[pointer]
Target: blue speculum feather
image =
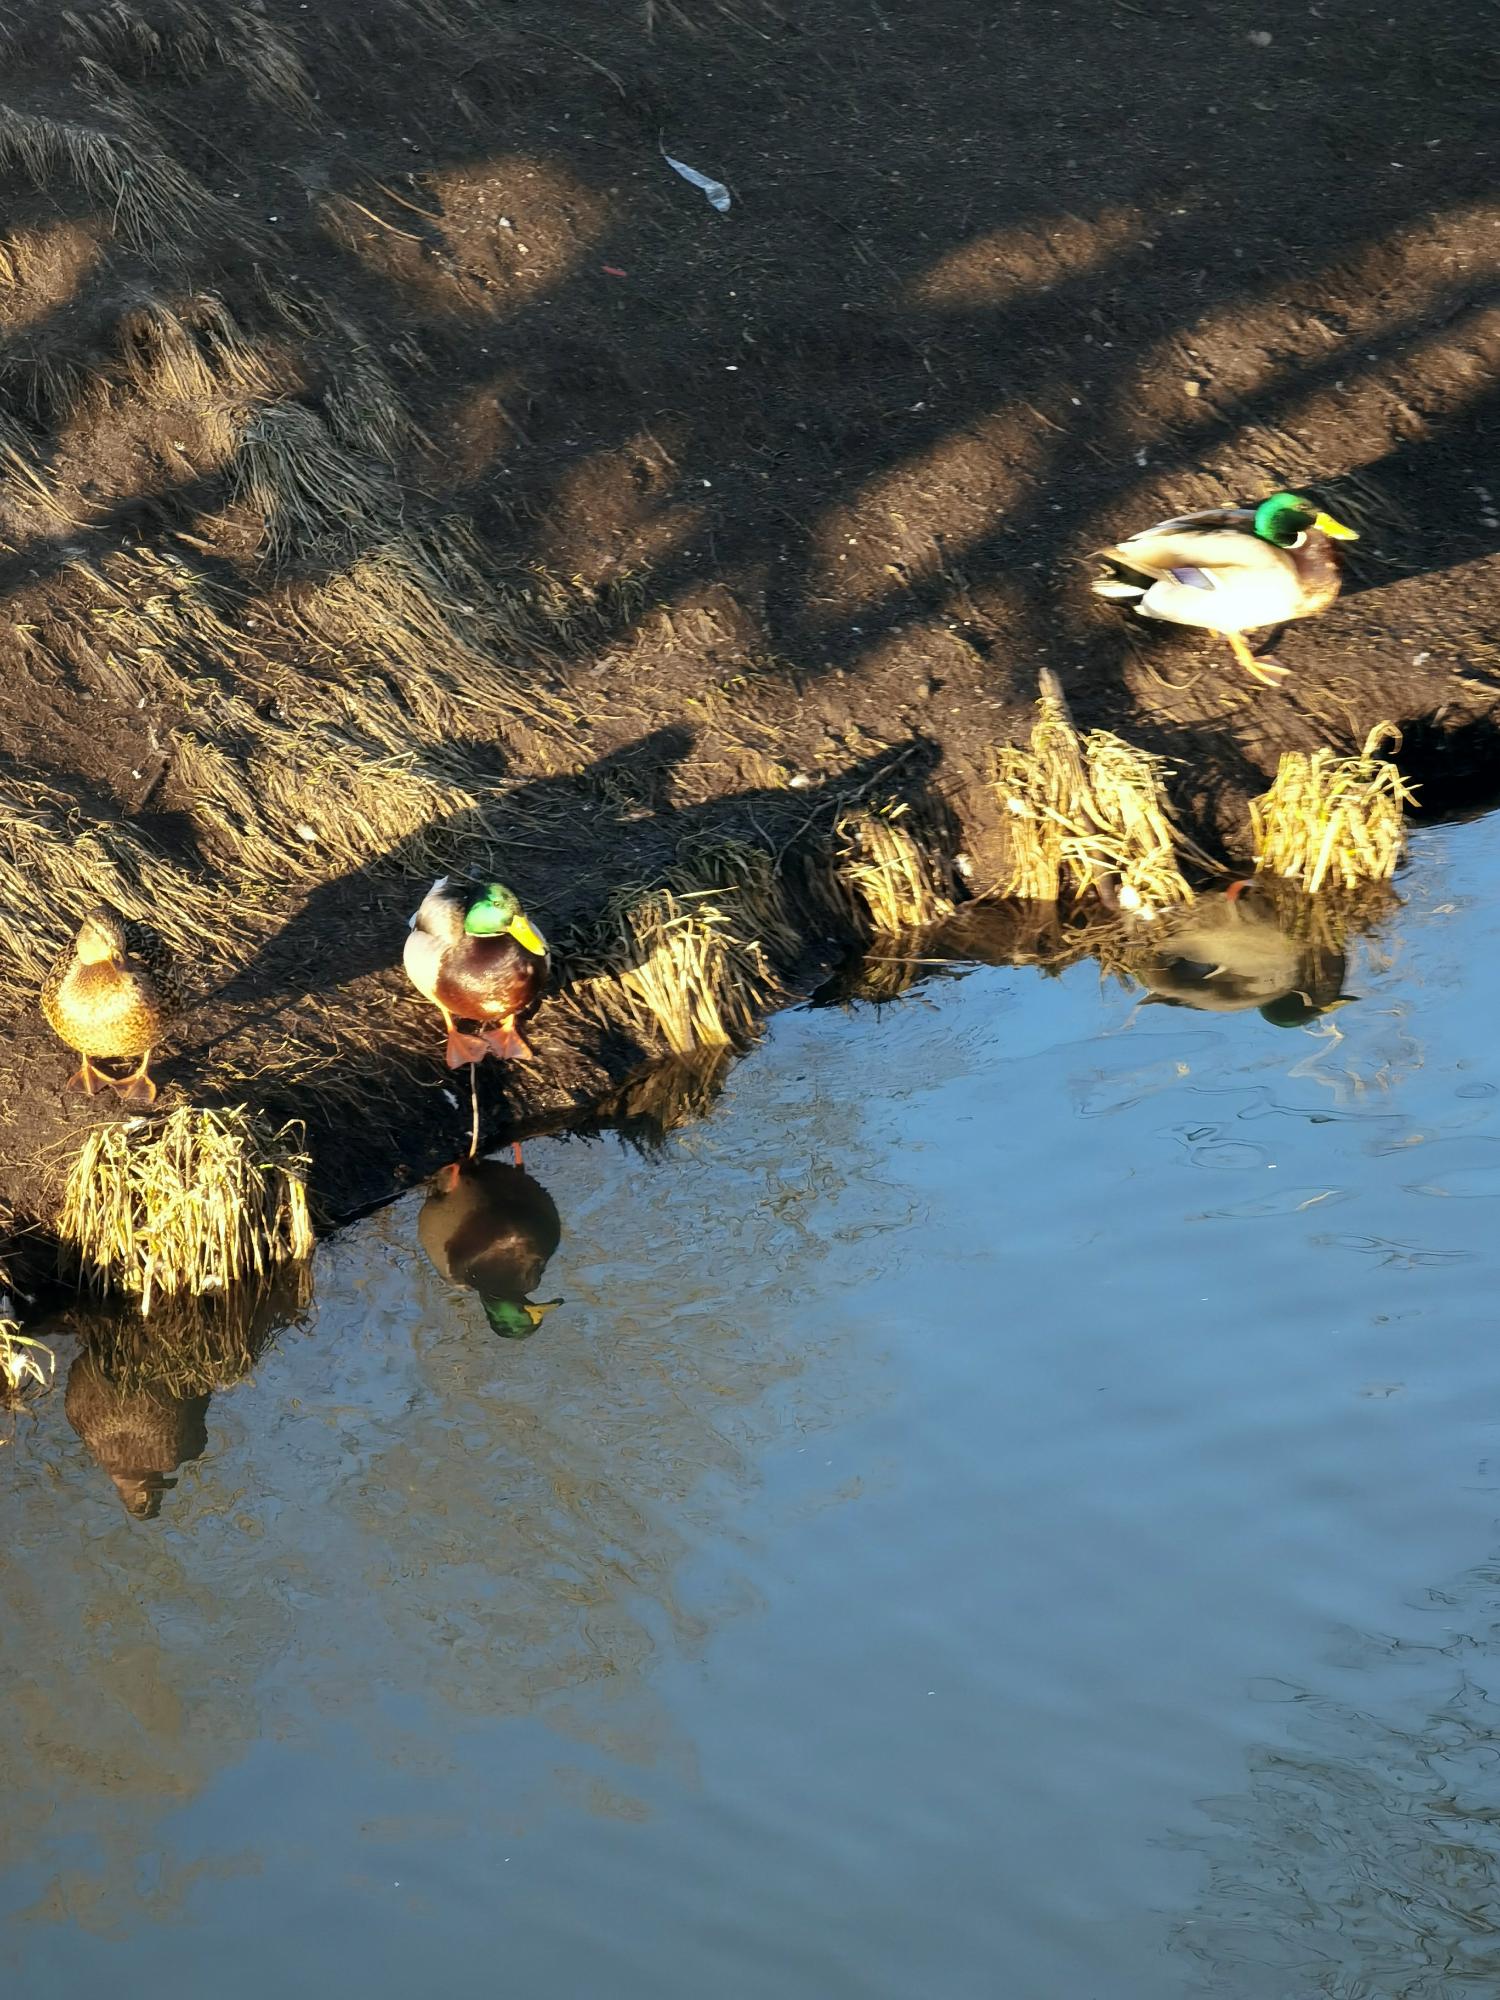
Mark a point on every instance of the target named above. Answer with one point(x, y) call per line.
point(1198, 579)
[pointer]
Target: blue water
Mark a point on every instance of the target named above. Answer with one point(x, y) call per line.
point(1008, 1508)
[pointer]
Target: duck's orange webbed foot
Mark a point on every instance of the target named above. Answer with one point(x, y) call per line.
point(1267, 672)
point(137, 1088)
point(87, 1079)
point(504, 1039)
point(462, 1049)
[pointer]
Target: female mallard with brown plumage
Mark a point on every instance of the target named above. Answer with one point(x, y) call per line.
point(493, 1228)
point(475, 955)
point(1232, 570)
point(111, 997)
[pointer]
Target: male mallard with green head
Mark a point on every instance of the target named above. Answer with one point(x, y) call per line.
point(476, 956)
point(1232, 570)
point(111, 996)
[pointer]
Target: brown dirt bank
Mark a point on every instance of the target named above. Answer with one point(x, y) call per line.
point(401, 468)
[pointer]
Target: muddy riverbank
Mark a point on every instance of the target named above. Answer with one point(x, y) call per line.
point(405, 469)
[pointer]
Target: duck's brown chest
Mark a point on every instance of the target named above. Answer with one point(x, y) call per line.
point(1320, 573)
point(492, 978)
point(100, 1011)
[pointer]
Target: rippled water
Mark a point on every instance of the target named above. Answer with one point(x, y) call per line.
point(1007, 1507)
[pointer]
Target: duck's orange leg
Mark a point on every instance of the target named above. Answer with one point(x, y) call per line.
point(1264, 671)
point(462, 1048)
point(137, 1088)
point(86, 1079)
point(504, 1038)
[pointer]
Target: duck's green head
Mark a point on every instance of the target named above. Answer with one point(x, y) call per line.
point(1286, 517)
point(495, 912)
point(517, 1319)
point(1300, 1010)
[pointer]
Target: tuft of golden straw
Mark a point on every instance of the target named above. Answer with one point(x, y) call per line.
point(1336, 819)
point(195, 1203)
point(1089, 812)
point(888, 879)
point(683, 961)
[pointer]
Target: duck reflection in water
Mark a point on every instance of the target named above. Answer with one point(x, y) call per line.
point(1230, 953)
point(491, 1227)
point(139, 1389)
point(140, 1431)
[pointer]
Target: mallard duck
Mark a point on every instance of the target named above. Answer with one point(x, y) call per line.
point(1232, 570)
point(493, 1228)
point(1226, 955)
point(111, 996)
point(474, 954)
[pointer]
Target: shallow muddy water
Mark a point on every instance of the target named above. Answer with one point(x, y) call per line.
point(1007, 1506)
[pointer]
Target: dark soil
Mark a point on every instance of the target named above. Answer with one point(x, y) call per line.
point(999, 282)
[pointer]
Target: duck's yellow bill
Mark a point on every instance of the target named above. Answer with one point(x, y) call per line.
point(1335, 528)
point(524, 935)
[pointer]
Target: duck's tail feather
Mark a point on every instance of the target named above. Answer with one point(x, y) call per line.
point(1118, 579)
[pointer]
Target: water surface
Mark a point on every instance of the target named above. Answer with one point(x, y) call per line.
point(1007, 1507)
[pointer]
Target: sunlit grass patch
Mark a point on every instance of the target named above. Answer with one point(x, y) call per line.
point(194, 1203)
point(684, 961)
point(1332, 819)
point(889, 878)
point(1089, 812)
point(55, 863)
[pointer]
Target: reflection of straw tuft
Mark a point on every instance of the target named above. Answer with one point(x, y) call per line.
point(1330, 818)
point(658, 1100)
point(26, 1366)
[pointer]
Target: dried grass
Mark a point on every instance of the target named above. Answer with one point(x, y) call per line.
point(1089, 812)
point(151, 198)
point(198, 1202)
point(195, 356)
point(365, 412)
point(186, 41)
point(683, 962)
point(311, 494)
point(26, 487)
point(886, 877)
point(1336, 819)
point(27, 1367)
point(450, 639)
point(57, 858)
